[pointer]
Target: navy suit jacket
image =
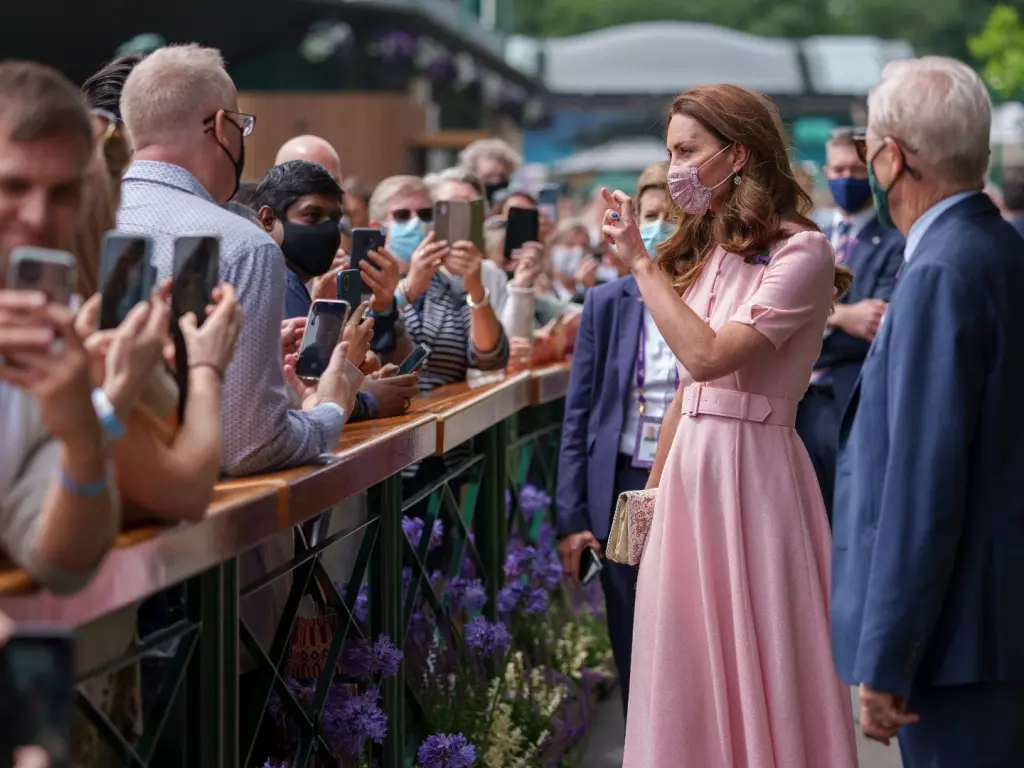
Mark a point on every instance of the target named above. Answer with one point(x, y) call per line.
point(928, 528)
point(1018, 224)
point(875, 259)
point(603, 367)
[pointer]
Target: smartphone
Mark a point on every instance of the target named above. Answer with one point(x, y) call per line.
point(42, 269)
point(127, 275)
point(196, 274)
point(523, 226)
point(323, 331)
point(351, 288)
point(590, 566)
point(547, 201)
point(416, 360)
point(456, 220)
point(364, 240)
point(37, 680)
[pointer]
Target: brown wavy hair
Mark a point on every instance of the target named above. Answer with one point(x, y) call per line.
point(764, 207)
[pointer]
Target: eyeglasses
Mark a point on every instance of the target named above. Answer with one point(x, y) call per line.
point(860, 145)
point(426, 215)
point(245, 123)
point(109, 133)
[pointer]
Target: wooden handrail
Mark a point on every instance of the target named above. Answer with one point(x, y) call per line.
point(246, 511)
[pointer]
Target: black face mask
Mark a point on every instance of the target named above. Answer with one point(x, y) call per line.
point(311, 247)
point(494, 188)
point(239, 165)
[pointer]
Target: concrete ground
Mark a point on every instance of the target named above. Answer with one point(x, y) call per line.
point(609, 732)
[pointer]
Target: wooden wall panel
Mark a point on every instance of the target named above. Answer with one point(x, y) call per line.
point(371, 131)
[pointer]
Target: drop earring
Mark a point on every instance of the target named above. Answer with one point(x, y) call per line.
point(736, 179)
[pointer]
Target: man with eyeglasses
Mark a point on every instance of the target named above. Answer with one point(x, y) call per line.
point(875, 254)
point(181, 109)
point(929, 517)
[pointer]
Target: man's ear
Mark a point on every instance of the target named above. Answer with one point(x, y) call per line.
point(267, 217)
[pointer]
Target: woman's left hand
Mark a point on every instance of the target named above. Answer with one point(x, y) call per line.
point(620, 228)
point(465, 261)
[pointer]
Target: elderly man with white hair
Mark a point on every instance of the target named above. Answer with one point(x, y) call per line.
point(929, 517)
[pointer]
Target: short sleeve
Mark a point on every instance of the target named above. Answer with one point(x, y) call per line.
point(795, 289)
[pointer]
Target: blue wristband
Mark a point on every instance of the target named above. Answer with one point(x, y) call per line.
point(400, 299)
point(85, 490)
point(112, 426)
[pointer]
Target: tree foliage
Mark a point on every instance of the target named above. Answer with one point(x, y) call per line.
point(1000, 49)
point(931, 26)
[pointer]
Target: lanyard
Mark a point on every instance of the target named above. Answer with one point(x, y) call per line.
point(641, 366)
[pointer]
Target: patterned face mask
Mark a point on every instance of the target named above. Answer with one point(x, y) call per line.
point(687, 190)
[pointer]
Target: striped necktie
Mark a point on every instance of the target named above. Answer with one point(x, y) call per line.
point(843, 240)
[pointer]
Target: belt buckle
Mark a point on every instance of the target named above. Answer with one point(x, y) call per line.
point(696, 392)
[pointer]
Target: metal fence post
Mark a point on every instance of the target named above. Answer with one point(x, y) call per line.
point(490, 524)
point(386, 607)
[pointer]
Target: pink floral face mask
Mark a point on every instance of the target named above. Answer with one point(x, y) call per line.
point(686, 189)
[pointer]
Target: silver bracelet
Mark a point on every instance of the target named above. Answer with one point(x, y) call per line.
point(486, 300)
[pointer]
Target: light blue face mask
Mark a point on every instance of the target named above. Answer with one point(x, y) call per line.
point(404, 238)
point(653, 233)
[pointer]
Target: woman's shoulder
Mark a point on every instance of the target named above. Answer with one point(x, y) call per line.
point(800, 241)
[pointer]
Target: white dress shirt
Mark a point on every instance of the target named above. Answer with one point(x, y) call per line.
point(659, 384)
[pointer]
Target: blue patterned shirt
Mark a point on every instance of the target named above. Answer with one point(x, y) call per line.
point(260, 431)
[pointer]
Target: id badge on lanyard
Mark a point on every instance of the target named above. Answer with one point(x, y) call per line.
point(649, 428)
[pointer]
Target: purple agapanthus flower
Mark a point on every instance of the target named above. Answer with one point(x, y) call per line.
point(366, 660)
point(547, 569)
point(421, 627)
point(446, 751)
point(508, 503)
point(466, 595)
point(413, 527)
point(519, 559)
point(351, 719)
point(545, 537)
point(532, 500)
point(486, 638)
point(522, 596)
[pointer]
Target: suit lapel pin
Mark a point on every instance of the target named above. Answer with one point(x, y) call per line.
point(876, 240)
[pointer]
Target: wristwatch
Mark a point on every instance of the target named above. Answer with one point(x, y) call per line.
point(482, 303)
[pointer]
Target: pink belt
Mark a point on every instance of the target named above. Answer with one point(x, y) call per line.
point(700, 400)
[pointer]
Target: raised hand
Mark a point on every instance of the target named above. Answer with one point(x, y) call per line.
point(291, 335)
point(358, 334)
point(620, 228)
point(465, 260)
point(381, 272)
point(425, 260)
point(213, 345)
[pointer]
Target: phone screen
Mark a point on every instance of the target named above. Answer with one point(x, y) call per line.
point(547, 201)
point(127, 276)
point(457, 220)
point(351, 288)
point(416, 360)
point(364, 240)
point(196, 272)
point(323, 331)
point(45, 270)
point(522, 227)
point(37, 678)
point(590, 566)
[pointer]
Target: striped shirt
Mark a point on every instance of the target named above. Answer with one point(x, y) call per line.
point(443, 321)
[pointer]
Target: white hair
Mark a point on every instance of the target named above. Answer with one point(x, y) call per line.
point(390, 188)
point(939, 108)
point(496, 148)
point(455, 175)
point(172, 91)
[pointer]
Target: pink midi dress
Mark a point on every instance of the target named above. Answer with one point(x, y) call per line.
point(732, 662)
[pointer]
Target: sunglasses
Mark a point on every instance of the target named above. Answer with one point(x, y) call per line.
point(245, 123)
point(860, 145)
point(426, 215)
point(110, 135)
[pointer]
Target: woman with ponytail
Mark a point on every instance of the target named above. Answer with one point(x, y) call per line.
point(732, 663)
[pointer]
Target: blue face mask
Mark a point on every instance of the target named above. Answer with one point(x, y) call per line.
point(653, 233)
point(404, 238)
point(849, 193)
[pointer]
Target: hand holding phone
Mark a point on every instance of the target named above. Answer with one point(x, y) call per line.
point(196, 274)
point(590, 566)
point(127, 275)
point(522, 226)
point(416, 360)
point(364, 240)
point(323, 332)
point(45, 270)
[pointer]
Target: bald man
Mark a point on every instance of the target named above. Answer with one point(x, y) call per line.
point(312, 149)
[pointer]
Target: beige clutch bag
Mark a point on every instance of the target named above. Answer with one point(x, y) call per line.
point(631, 524)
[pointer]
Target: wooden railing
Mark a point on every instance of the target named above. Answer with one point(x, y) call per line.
point(245, 512)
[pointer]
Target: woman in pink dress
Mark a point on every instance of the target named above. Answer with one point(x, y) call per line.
point(732, 664)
